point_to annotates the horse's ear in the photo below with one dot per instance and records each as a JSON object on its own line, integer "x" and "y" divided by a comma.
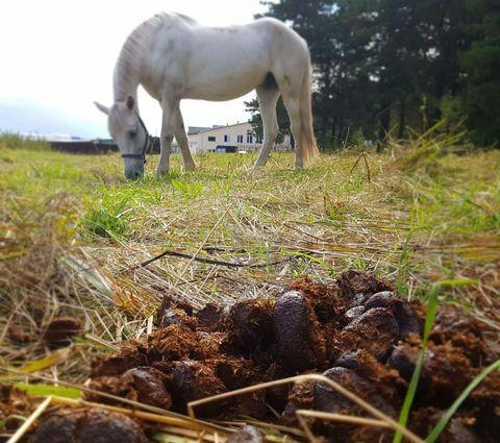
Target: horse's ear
{"x": 130, "y": 103}
{"x": 102, "y": 108}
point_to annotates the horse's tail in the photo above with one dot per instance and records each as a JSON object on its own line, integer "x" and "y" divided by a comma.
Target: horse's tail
{"x": 308, "y": 140}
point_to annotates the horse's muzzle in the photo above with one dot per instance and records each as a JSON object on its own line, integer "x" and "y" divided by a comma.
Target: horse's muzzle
{"x": 134, "y": 175}
{"x": 134, "y": 170}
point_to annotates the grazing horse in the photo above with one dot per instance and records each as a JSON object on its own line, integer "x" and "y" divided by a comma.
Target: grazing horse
{"x": 173, "y": 57}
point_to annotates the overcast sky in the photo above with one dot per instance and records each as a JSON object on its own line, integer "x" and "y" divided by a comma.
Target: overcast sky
{"x": 57, "y": 57}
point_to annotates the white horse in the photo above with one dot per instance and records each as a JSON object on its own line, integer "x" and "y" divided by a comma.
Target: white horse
{"x": 173, "y": 57}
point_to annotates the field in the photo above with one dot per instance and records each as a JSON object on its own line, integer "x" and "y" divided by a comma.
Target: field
{"x": 77, "y": 240}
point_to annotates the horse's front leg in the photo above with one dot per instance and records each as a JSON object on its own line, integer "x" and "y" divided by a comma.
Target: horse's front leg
{"x": 169, "y": 123}
{"x": 182, "y": 139}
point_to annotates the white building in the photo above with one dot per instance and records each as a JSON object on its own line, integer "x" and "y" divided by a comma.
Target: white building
{"x": 238, "y": 137}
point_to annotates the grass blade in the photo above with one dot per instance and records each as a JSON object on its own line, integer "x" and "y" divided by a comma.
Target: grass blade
{"x": 51, "y": 360}
{"x": 41, "y": 390}
{"x": 432, "y": 309}
{"x": 434, "y": 435}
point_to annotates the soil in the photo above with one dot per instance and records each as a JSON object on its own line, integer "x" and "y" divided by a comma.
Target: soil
{"x": 14, "y": 405}
{"x": 355, "y": 331}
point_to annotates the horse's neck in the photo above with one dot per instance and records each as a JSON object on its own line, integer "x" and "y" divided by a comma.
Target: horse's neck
{"x": 130, "y": 62}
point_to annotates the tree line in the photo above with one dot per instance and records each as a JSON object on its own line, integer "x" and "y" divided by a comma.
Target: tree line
{"x": 390, "y": 66}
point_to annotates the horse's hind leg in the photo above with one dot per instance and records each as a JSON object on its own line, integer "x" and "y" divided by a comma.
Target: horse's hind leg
{"x": 289, "y": 81}
{"x": 182, "y": 140}
{"x": 268, "y": 98}
{"x": 292, "y": 104}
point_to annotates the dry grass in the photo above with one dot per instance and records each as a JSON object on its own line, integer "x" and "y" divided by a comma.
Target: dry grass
{"x": 72, "y": 233}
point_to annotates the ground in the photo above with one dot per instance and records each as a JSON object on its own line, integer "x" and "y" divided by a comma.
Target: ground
{"x": 74, "y": 233}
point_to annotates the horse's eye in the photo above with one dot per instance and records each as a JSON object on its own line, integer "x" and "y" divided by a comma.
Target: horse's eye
{"x": 132, "y": 134}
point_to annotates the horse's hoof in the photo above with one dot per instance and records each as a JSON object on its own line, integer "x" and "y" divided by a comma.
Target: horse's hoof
{"x": 161, "y": 174}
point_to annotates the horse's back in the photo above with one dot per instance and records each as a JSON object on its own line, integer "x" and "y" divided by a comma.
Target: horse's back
{"x": 267, "y": 36}
{"x": 281, "y": 33}
{"x": 219, "y": 63}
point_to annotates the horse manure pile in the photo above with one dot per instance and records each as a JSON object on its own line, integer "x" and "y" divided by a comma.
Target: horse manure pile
{"x": 89, "y": 426}
{"x": 354, "y": 331}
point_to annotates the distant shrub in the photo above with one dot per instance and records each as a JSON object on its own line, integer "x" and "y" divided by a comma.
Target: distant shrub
{"x": 16, "y": 141}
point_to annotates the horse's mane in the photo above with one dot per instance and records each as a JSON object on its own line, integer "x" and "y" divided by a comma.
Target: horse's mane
{"x": 135, "y": 47}
{"x": 183, "y": 17}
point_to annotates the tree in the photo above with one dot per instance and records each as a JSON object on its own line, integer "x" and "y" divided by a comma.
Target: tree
{"x": 481, "y": 67}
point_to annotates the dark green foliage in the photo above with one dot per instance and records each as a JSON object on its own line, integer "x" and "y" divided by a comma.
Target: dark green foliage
{"x": 385, "y": 65}
{"x": 481, "y": 66}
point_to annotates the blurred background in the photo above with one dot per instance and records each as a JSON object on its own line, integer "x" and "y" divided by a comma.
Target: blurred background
{"x": 58, "y": 57}
{"x": 381, "y": 66}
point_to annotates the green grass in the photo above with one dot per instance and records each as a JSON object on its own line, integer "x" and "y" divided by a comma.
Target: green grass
{"x": 409, "y": 224}
{"x": 432, "y": 309}
{"x": 398, "y": 210}
{"x": 108, "y": 219}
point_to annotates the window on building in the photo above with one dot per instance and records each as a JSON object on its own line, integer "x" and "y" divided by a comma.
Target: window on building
{"x": 212, "y": 139}
{"x": 226, "y": 139}
{"x": 240, "y": 139}
{"x": 249, "y": 137}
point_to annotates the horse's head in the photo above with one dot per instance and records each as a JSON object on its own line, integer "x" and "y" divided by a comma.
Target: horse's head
{"x": 129, "y": 134}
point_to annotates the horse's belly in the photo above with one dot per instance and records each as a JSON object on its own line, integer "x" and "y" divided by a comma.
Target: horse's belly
{"x": 223, "y": 90}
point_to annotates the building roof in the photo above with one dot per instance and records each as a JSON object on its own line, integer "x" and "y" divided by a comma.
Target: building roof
{"x": 216, "y": 127}
{"x": 193, "y": 130}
